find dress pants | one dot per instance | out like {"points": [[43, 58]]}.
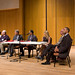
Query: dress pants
{"points": [[11, 48], [30, 47], [48, 52]]}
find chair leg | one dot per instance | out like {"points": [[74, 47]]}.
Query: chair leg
{"points": [[15, 53], [32, 53], [7, 56], [8, 53], [18, 51], [19, 59], [54, 61], [69, 61], [36, 53]]}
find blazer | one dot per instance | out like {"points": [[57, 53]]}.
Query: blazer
{"points": [[64, 46], [6, 37], [32, 38], [18, 37]]}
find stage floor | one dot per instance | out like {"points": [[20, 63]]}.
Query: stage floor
{"points": [[30, 66]]}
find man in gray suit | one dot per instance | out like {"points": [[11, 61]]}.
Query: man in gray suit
{"points": [[17, 37]]}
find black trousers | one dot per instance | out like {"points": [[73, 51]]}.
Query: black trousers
{"points": [[48, 52], [30, 47]]}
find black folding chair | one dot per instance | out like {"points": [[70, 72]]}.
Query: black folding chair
{"points": [[60, 59]]}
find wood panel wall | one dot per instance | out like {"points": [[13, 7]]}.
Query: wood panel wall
{"points": [[51, 19], [11, 19], [60, 15], [65, 16], [74, 23], [35, 17], [32, 15]]}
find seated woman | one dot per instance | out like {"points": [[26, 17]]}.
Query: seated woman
{"points": [[47, 39]]}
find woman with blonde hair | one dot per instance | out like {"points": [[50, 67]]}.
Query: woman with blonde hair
{"points": [[47, 39]]}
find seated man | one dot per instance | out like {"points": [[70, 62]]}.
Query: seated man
{"points": [[17, 37], [62, 47], [31, 37], [3, 38]]}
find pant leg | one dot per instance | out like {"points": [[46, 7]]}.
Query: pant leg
{"points": [[11, 47], [4, 46], [21, 49], [30, 47], [49, 55], [41, 49], [48, 48], [1, 47]]}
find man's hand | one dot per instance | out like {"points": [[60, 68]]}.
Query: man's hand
{"points": [[56, 49], [5, 41]]}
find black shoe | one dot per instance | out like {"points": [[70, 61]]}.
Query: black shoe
{"points": [[41, 58], [2, 53], [46, 63], [22, 55], [10, 55], [0, 50], [28, 56]]}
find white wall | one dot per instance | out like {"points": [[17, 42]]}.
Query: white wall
{"points": [[9, 4]]}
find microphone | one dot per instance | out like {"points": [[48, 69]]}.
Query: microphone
{"points": [[27, 33]]}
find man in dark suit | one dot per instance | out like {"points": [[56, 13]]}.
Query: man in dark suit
{"points": [[17, 37], [62, 48], [31, 37]]}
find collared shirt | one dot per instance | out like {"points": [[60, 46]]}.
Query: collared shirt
{"points": [[17, 37], [66, 34], [60, 40]]}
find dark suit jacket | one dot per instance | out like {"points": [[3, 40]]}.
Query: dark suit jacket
{"points": [[64, 46], [32, 38], [6, 37], [19, 37]]}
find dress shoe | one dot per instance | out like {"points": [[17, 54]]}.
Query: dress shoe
{"points": [[28, 56], [0, 50], [22, 55], [46, 63]]}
